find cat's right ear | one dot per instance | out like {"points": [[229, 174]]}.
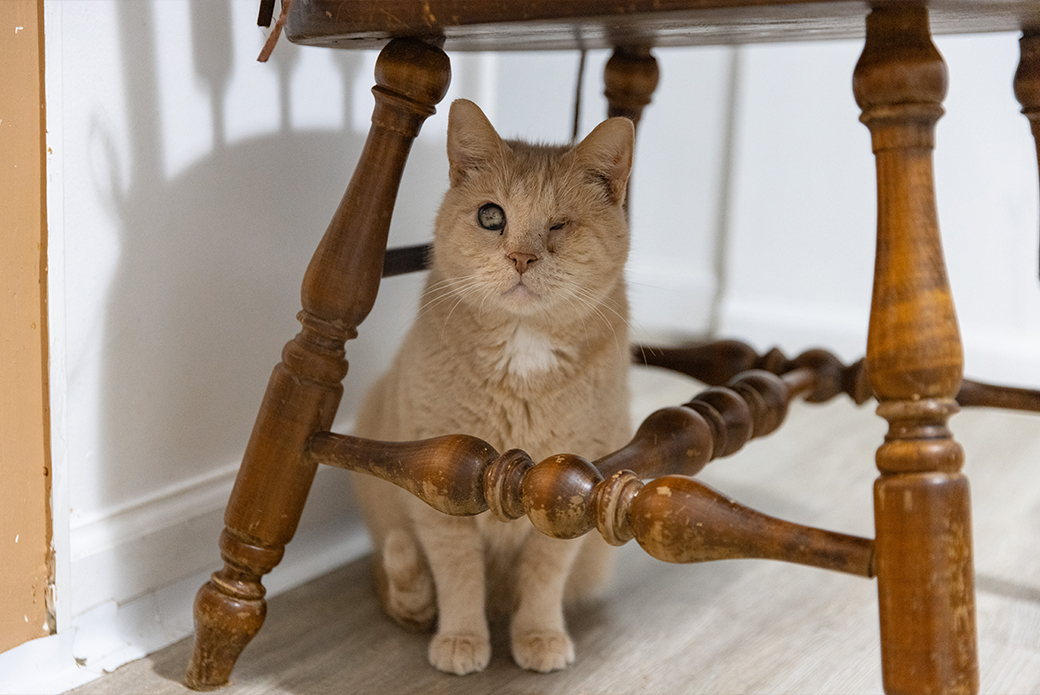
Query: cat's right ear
{"points": [[472, 140]]}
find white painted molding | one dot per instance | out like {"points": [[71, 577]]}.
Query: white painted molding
{"points": [[44, 666], [61, 591], [145, 547]]}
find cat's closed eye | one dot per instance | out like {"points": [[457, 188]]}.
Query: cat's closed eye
{"points": [[557, 226], [491, 216]]}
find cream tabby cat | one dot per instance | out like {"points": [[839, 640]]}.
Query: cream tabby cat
{"points": [[522, 342]]}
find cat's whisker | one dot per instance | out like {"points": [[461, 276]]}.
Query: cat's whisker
{"points": [[594, 304], [462, 297], [584, 326], [606, 303], [448, 294]]}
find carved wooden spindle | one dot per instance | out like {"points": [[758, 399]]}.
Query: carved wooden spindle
{"points": [[914, 361], [446, 472], [677, 519], [1027, 82], [630, 78], [566, 496], [719, 361], [304, 391], [976, 393]]}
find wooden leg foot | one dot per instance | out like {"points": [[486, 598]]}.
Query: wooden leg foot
{"points": [[229, 611], [224, 625]]}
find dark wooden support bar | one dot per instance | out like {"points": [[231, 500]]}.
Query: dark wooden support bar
{"points": [[406, 259], [304, 391], [566, 496], [914, 362], [717, 362], [1027, 82], [677, 519], [446, 472], [976, 393]]}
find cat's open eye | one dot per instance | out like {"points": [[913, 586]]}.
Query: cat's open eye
{"points": [[491, 216]]}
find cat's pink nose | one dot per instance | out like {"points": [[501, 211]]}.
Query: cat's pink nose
{"points": [[522, 260]]}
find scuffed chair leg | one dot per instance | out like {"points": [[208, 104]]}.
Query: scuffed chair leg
{"points": [[304, 392], [914, 361]]}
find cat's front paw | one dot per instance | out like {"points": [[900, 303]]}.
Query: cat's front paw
{"points": [[542, 650], [460, 653]]}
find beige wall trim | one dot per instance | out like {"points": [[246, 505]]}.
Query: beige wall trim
{"points": [[25, 557]]}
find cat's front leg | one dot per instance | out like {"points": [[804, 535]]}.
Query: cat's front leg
{"points": [[539, 637], [455, 552]]}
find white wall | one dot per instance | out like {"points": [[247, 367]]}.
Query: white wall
{"points": [[188, 186], [799, 267]]}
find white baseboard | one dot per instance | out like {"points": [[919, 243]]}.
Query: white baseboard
{"points": [[135, 572], [112, 634], [43, 666]]}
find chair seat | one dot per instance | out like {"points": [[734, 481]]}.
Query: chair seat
{"points": [[477, 25]]}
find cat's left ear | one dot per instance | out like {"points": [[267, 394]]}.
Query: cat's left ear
{"points": [[472, 140], [606, 153]]}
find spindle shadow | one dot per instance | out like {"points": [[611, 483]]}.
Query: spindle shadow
{"points": [[205, 294]]}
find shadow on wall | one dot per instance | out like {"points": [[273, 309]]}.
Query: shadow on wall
{"points": [[210, 265]]}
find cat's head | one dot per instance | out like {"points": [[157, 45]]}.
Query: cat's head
{"points": [[533, 229]]}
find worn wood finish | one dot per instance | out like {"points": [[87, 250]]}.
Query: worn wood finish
{"points": [[339, 289], [717, 362], [1027, 82], [678, 519], [566, 496], [914, 362], [445, 472], [477, 25]]}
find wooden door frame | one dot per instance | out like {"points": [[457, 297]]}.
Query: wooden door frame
{"points": [[25, 465]]}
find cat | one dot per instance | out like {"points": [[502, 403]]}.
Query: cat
{"points": [[522, 341]]}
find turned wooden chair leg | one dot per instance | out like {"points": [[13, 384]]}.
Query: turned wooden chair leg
{"points": [[1027, 82], [339, 290], [914, 362], [629, 78]]}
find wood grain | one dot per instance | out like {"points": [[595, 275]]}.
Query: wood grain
{"points": [[566, 496], [922, 511], [476, 25]]}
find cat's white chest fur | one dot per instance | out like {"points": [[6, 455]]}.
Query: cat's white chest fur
{"points": [[527, 352]]}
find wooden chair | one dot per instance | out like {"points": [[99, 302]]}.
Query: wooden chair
{"points": [[922, 553]]}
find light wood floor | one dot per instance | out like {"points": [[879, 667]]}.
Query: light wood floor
{"points": [[727, 627]]}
